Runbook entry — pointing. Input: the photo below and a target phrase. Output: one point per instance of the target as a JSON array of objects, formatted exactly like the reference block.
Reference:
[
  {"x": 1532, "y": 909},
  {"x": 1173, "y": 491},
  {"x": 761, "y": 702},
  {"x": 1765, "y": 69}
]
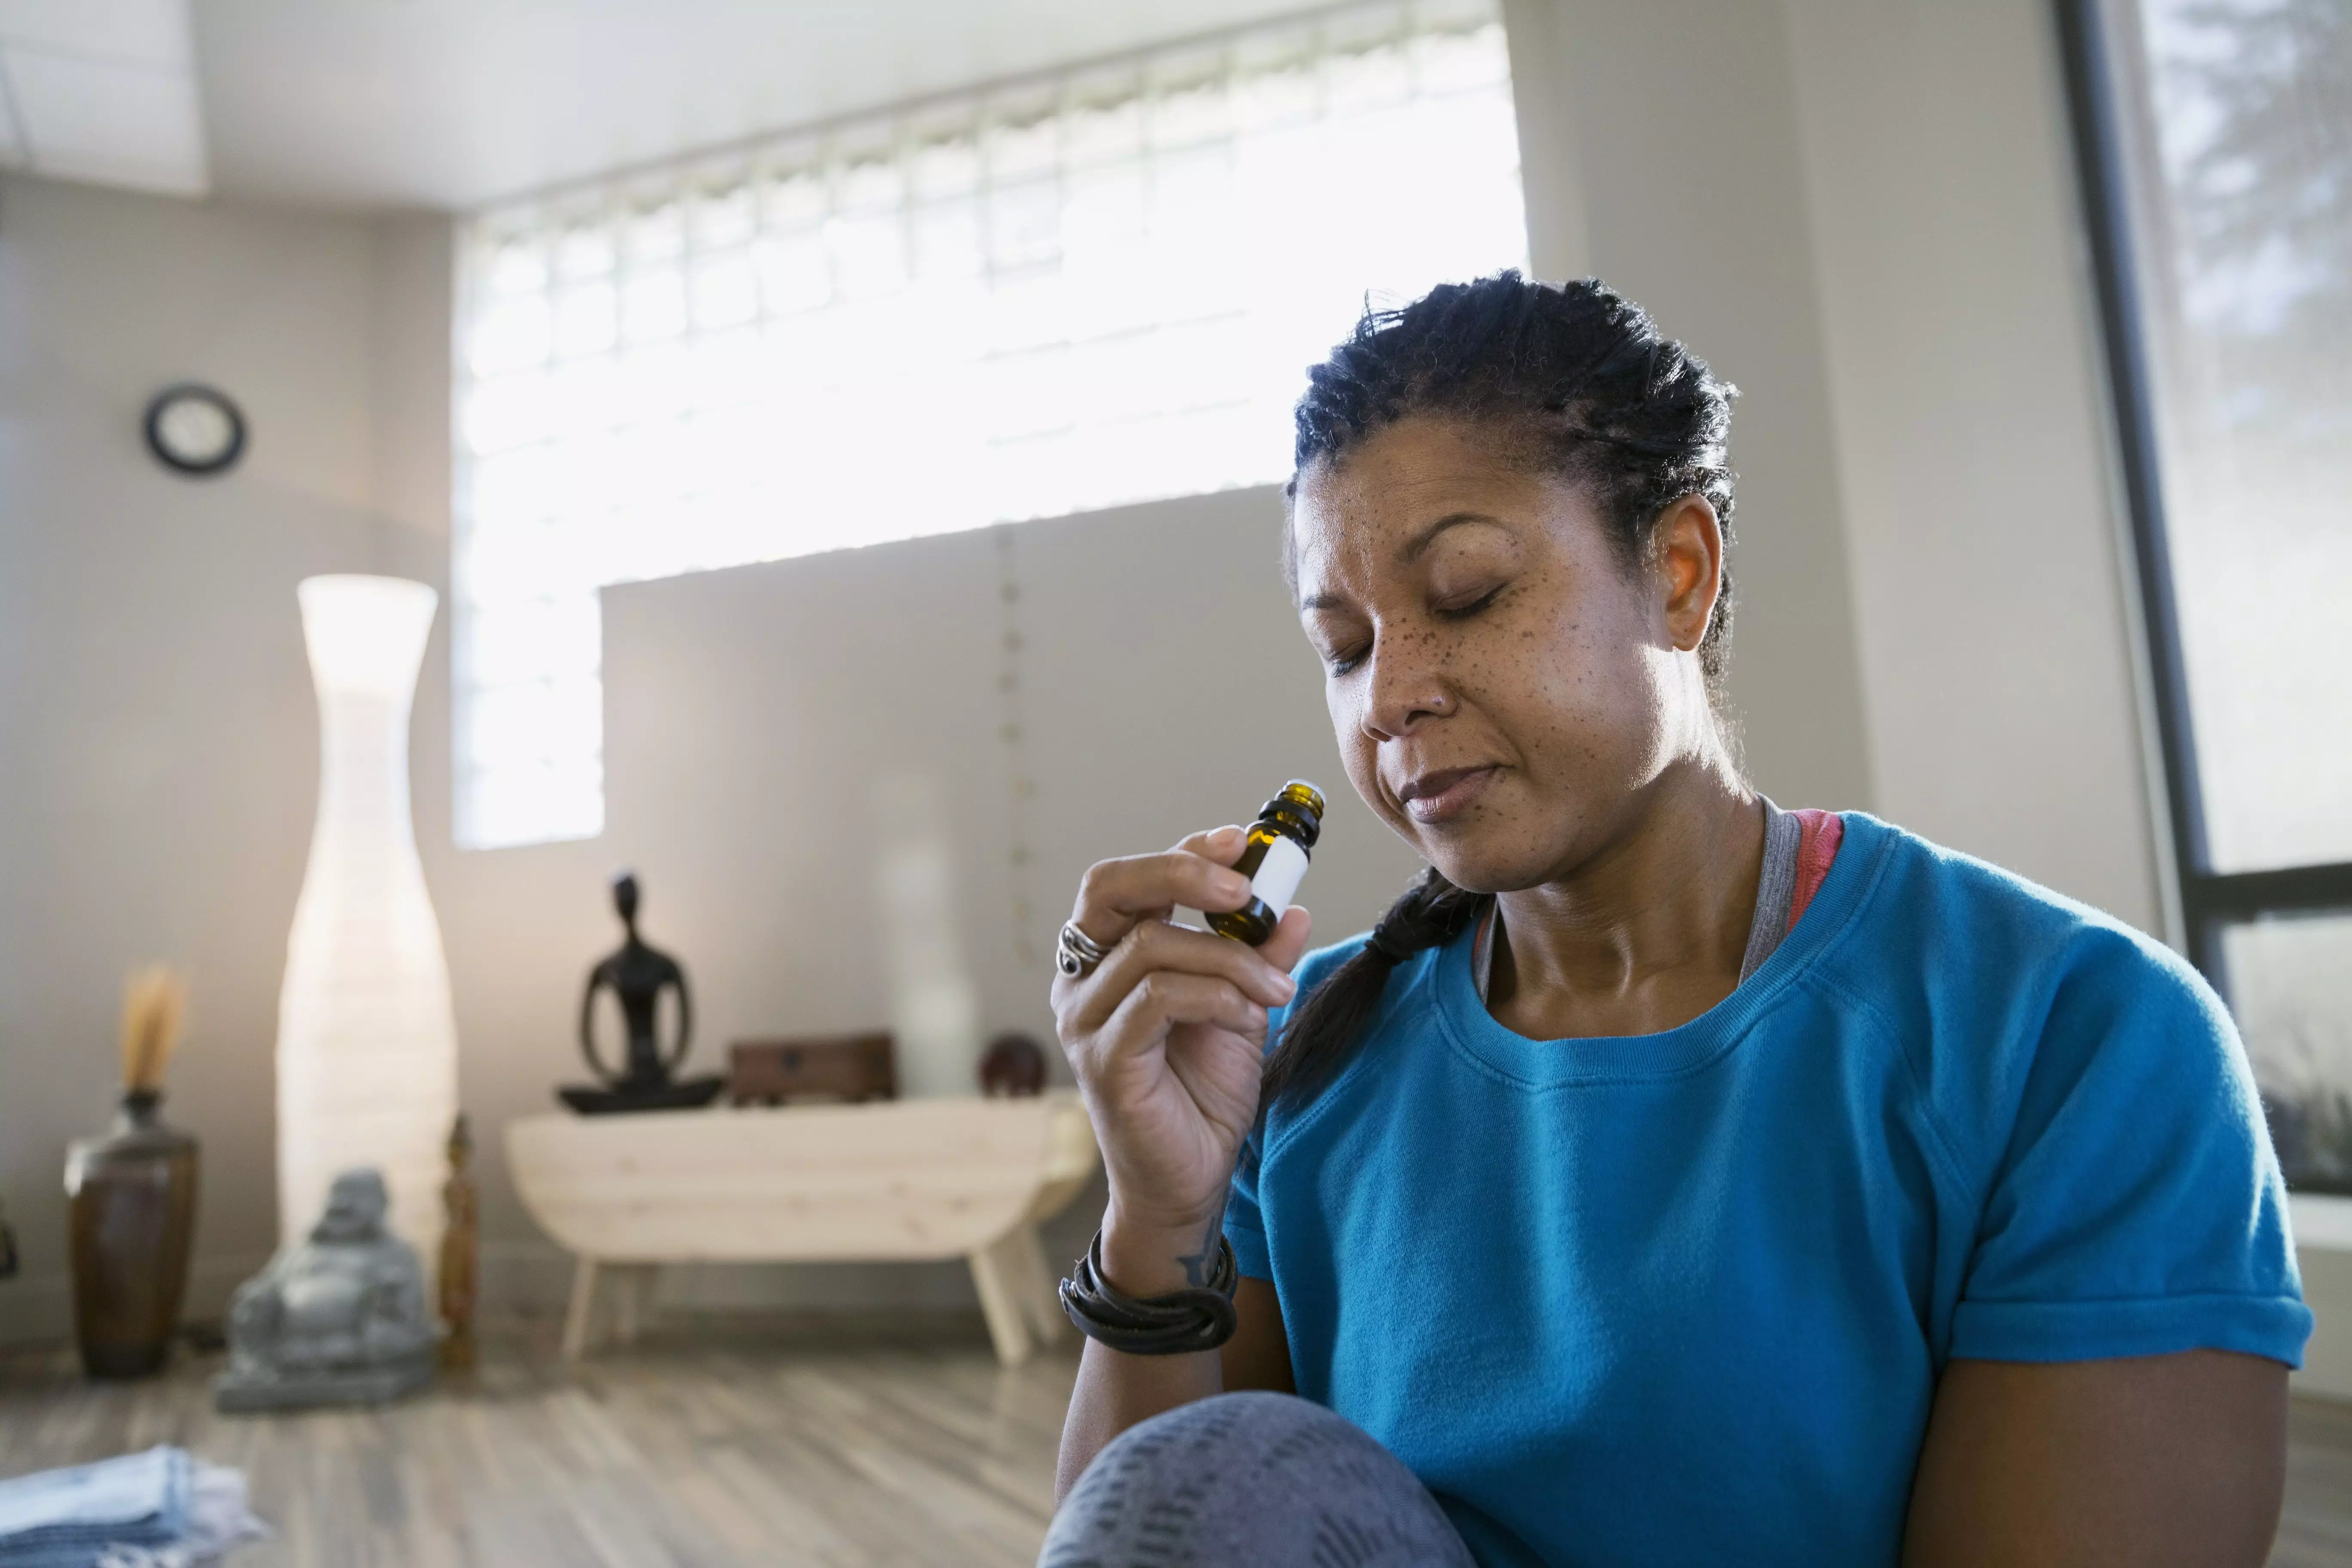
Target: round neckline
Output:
[{"x": 1670, "y": 1052}]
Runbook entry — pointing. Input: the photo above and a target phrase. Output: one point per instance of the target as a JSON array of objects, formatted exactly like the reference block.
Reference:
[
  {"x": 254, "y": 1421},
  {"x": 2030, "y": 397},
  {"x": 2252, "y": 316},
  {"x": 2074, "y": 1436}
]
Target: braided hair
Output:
[{"x": 1574, "y": 379}]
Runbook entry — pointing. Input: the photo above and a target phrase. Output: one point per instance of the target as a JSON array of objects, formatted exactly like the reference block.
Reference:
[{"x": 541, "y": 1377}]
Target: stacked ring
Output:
[{"x": 1076, "y": 954}]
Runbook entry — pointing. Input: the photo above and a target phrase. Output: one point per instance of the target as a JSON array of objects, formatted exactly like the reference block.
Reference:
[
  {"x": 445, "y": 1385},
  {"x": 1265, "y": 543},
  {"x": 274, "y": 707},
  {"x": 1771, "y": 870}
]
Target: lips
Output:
[{"x": 1448, "y": 792}]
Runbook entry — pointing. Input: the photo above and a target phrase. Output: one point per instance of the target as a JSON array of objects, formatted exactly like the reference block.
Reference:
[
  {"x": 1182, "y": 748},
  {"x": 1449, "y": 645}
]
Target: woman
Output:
[{"x": 1665, "y": 1178}]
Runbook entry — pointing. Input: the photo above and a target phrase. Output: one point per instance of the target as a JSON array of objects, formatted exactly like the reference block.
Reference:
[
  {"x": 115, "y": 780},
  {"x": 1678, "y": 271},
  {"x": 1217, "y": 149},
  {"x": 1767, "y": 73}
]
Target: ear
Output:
[{"x": 1687, "y": 550}]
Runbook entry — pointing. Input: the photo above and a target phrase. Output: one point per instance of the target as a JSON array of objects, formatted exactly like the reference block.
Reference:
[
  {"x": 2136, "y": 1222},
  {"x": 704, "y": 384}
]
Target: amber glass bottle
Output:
[{"x": 1275, "y": 860}]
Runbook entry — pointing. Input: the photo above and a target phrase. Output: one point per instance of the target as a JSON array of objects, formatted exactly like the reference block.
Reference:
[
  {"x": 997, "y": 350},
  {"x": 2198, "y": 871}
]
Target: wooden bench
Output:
[{"x": 892, "y": 1180}]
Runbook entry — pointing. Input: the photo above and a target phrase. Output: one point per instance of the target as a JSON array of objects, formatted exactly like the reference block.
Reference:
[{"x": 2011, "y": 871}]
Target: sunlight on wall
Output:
[{"x": 1081, "y": 291}]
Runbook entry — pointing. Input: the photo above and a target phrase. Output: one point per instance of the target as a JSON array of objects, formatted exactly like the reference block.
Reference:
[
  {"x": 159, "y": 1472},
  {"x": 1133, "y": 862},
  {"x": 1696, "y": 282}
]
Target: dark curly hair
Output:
[{"x": 1573, "y": 378}]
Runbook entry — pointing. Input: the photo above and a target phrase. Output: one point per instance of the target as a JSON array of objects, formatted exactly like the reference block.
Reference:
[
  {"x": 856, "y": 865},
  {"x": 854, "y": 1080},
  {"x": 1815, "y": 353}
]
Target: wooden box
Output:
[{"x": 837, "y": 1067}]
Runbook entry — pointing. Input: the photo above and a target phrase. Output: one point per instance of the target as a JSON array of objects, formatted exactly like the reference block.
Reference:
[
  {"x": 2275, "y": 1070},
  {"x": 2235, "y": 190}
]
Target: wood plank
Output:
[{"x": 718, "y": 1442}]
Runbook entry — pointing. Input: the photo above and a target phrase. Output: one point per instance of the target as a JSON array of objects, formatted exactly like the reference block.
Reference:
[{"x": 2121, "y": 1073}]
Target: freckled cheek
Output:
[
  {"x": 1360, "y": 753},
  {"x": 1567, "y": 711}
]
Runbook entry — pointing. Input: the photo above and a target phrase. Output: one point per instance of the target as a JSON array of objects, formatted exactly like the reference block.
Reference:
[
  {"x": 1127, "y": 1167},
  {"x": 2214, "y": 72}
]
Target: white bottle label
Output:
[{"x": 1279, "y": 874}]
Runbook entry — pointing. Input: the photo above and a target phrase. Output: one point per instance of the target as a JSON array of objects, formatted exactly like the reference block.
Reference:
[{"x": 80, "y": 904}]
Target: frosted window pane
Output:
[
  {"x": 1105, "y": 130},
  {"x": 1186, "y": 113},
  {"x": 1377, "y": 79},
  {"x": 946, "y": 167},
  {"x": 1087, "y": 292},
  {"x": 797, "y": 197},
  {"x": 511, "y": 334},
  {"x": 2291, "y": 988},
  {"x": 658, "y": 235},
  {"x": 653, "y": 305},
  {"x": 947, "y": 241},
  {"x": 517, "y": 267},
  {"x": 585, "y": 321},
  {"x": 727, "y": 219},
  {"x": 869, "y": 253},
  {"x": 584, "y": 252},
  {"x": 726, "y": 291},
  {"x": 872, "y": 183},
  {"x": 506, "y": 411},
  {"x": 795, "y": 274},
  {"x": 1019, "y": 147},
  {"x": 2243, "y": 203},
  {"x": 1025, "y": 225}
]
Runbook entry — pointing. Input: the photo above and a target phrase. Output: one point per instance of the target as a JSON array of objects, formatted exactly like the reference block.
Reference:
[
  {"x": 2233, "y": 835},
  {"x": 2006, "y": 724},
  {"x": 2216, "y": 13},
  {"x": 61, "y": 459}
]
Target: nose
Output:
[{"x": 1405, "y": 687}]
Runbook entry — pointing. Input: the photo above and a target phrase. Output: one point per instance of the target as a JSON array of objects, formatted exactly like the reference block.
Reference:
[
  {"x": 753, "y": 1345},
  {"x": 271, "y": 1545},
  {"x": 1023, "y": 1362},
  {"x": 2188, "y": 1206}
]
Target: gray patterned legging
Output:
[{"x": 1260, "y": 1479}]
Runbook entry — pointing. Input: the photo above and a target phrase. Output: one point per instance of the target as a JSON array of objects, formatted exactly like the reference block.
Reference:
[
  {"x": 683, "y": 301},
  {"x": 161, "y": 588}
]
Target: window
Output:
[
  {"x": 2217, "y": 142},
  {"x": 1064, "y": 294}
]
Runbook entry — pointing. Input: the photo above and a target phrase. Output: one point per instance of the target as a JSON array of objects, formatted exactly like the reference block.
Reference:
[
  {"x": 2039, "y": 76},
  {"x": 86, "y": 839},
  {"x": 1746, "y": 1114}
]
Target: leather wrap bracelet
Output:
[{"x": 1199, "y": 1318}]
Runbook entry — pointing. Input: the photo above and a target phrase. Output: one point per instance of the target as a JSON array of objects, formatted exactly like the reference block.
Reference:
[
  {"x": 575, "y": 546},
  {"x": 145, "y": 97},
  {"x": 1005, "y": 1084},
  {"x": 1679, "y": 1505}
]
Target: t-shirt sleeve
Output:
[
  {"x": 2137, "y": 1209},
  {"x": 1244, "y": 1226}
]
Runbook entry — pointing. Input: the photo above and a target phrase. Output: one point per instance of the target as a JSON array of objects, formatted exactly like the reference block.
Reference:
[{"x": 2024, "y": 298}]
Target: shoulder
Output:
[
  {"x": 1320, "y": 964},
  {"x": 2011, "y": 997},
  {"x": 1960, "y": 930},
  {"x": 1406, "y": 980}
]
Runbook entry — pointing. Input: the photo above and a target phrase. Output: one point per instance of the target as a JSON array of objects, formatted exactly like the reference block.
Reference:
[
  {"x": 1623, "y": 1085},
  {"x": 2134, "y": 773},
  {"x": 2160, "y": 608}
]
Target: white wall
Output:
[
  {"x": 157, "y": 759},
  {"x": 1973, "y": 439}
]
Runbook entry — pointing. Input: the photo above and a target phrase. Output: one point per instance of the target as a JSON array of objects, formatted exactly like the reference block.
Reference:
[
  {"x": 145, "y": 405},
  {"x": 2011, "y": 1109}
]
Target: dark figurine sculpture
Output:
[
  {"x": 637, "y": 975},
  {"x": 1014, "y": 1066}
]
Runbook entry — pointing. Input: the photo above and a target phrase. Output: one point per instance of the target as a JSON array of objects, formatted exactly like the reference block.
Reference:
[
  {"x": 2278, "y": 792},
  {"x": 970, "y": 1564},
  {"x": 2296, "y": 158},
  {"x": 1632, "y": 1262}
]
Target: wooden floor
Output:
[
  {"x": 2316, "y": 1530},
  {"x": 709, "y": 1447},
  {"x": 711, "y": 1444}
]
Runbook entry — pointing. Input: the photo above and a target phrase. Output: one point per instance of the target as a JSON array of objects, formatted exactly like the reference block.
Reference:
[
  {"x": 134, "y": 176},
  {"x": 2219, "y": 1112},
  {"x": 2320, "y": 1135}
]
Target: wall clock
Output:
[{"x": 195, "y": 430}]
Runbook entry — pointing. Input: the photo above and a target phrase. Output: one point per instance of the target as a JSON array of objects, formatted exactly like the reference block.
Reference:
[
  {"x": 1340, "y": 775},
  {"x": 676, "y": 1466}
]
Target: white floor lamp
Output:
[{"x": 367, "y": 1043}]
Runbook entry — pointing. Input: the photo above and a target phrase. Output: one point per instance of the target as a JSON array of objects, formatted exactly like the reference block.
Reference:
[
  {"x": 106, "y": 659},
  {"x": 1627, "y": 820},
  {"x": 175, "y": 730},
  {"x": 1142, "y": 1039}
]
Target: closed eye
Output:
[{"x": 1464, "y": 612}]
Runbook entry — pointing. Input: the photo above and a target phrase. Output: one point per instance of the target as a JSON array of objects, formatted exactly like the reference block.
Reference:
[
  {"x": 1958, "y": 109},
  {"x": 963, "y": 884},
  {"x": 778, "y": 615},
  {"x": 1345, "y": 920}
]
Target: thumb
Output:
[{"x": 1287, "y": 946}]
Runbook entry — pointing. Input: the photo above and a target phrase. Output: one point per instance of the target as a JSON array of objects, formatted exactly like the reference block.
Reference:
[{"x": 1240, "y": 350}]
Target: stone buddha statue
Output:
[
  {"x": 637, "y": 974},
  {"x": 339, "y": 1318}
]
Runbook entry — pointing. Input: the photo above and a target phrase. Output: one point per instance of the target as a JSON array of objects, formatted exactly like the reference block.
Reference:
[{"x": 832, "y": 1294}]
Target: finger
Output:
[
  {"x": 1222, "y": 844},
  {"x": 1165, "y": 998},
  {"x": 1116, "y": 895},
  {"x": 1156, "y": 945},
  {"x": 1287, "y": 946}
]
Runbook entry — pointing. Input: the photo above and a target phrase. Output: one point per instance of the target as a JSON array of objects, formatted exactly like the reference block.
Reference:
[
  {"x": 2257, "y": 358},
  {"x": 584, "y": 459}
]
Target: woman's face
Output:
[{"x": 1503, "y": 687}]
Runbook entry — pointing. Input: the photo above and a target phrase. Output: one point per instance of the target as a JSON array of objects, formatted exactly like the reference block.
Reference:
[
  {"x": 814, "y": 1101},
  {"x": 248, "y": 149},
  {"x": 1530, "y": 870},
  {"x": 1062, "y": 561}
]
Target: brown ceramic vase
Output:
[{"x": 132, "y": 1215}]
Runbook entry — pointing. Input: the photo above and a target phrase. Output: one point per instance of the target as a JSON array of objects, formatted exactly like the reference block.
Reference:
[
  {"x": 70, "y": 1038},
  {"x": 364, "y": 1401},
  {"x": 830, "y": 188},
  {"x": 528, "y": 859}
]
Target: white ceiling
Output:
[
  {"x": 454, "y": 103},
  {"x": 102, "y": 90}
]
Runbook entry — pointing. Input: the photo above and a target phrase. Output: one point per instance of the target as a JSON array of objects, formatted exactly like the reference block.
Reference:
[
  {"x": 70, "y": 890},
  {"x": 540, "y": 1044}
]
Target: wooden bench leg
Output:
[
  {"x": 634, "y": 1309},
  {"x": 577, "y": 1315},
  {"x": 997, "y": 1277}
]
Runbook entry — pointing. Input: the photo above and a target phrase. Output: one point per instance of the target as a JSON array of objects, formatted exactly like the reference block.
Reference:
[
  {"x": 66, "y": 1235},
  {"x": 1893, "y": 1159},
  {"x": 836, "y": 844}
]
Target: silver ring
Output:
[{"x": 1076, "y": 954}]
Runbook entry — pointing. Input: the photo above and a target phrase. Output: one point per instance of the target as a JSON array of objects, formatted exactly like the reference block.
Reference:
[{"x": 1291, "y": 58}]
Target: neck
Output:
[{"x": 1646, "y": 932}]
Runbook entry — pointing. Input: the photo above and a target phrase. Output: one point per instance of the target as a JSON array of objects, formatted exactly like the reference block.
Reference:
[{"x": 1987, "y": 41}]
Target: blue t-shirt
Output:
[{"x": 1682, "y": 1298}]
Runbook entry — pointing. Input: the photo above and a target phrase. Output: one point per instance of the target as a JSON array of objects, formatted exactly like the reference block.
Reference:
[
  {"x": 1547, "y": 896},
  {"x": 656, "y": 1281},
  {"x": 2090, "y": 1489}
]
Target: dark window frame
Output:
[{"x": 2210, "y": 900}]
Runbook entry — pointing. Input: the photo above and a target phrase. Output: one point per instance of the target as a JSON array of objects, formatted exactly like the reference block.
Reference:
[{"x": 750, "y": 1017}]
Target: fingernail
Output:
[
  {"x": 1284, "y": 986},
  {"x": 1234, "y": 885}
]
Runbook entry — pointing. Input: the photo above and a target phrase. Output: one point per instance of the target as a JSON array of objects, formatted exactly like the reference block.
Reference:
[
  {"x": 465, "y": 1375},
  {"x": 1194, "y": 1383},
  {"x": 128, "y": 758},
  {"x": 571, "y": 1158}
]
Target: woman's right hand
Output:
[{"x": 1167, "y": 1036}]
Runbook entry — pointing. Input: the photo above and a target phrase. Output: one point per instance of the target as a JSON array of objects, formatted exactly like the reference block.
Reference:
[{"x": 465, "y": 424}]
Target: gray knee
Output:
[{"x": 1249, "y": 1478}]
